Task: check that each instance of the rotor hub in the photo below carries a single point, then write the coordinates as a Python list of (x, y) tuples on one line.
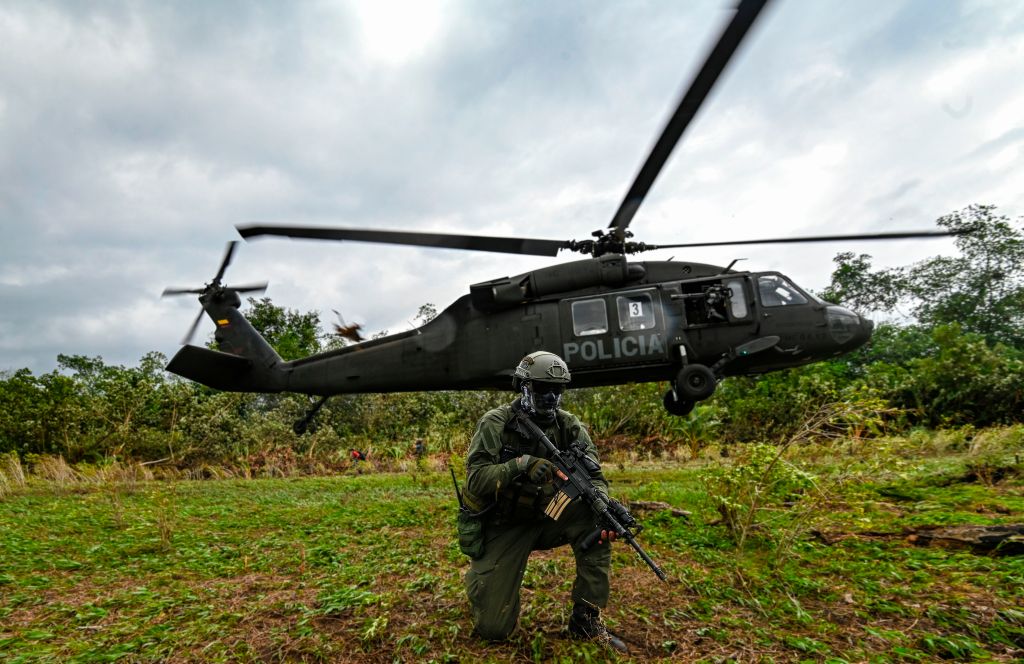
[(610, 242)]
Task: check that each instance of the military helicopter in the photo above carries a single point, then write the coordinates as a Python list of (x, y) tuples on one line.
[(612, 319)]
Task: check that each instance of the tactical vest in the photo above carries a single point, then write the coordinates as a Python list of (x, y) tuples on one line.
[(523, 500)]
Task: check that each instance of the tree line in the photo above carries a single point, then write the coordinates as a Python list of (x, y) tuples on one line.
[(955, 357)]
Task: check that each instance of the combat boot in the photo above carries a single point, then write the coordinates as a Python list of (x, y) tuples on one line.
[(585, 624)]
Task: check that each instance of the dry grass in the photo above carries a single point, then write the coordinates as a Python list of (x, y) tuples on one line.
[(11, 470), (125, 476), (55, 471), (56, 474)]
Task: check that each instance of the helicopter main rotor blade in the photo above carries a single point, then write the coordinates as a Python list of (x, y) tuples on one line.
[(228, 253), (714, 65), (506, 245), (250, 288), (192, 328), (182, 291), (895, 235)]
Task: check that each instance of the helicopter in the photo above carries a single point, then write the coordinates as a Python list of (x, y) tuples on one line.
[(612, 319)]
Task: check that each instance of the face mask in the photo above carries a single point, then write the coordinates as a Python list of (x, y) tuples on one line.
[(542, 400)]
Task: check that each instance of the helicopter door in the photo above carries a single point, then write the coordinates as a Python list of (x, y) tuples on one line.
[(712, 316), (613, 329), (781, 303), (715, 302)]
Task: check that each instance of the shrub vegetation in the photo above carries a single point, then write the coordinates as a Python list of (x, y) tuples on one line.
[(959, 362)]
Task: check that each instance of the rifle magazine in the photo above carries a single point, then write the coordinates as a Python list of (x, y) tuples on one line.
[(558, 505)]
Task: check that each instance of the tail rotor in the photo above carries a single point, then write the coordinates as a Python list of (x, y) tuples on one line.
[(214, 290)]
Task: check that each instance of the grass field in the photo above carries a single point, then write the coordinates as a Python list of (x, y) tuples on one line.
[(365, 568)]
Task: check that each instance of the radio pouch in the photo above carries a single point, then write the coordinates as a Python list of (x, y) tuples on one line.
[(470, 528)]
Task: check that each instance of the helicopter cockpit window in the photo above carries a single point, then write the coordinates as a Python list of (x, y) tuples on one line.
[(635, 312), (589, 317), (775, 291), (737, 298)]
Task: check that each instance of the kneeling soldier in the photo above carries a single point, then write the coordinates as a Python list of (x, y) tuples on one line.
[(509, 484)]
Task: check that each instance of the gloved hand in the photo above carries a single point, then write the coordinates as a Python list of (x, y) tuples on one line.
[(540, 471)]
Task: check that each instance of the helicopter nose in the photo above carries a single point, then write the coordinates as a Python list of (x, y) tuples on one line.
[(847, 328), (867, 326)]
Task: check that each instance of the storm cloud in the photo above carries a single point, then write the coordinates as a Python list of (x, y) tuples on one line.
[(134, 136)]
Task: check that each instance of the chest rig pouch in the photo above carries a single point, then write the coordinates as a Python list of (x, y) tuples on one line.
[(523, 500)]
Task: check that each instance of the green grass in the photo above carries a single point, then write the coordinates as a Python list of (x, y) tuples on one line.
[(365, 568)]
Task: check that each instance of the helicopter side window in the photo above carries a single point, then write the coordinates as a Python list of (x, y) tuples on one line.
[(589, 317), (635, 312), (737, 298), (775, 291)]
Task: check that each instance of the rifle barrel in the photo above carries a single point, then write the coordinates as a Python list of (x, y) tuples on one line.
[(646, 558)]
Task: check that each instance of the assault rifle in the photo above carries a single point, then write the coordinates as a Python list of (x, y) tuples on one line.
[(573, 480)]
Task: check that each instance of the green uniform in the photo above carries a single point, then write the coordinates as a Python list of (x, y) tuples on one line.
[(517, 525)]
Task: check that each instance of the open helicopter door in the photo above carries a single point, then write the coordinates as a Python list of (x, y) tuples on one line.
[(614, 330), (711, 315)]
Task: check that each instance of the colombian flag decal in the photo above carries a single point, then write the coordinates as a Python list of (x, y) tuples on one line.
[(223, 322)]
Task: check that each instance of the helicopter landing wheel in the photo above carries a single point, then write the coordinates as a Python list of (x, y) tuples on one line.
[(696, 382), (677, 407), (301, 427)]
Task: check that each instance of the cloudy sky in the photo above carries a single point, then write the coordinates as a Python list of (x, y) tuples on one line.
[(134, 136)]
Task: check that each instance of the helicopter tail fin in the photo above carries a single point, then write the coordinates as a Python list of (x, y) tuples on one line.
[(245, 361), (221, 371)]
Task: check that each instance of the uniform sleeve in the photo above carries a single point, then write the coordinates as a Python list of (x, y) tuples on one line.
[(485, 474)]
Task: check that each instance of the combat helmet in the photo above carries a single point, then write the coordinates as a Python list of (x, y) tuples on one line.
[(540, 379), (543, 366)]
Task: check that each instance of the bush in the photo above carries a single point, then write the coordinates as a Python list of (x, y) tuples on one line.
[(758, 481), (996, 454), (967, 381), (907, 377)]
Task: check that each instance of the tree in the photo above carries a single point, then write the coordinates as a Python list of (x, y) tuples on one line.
[(116, 408), (291, 333), (21, 424), (427, 313), (982, 289), (856, 286), (893, 344)]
